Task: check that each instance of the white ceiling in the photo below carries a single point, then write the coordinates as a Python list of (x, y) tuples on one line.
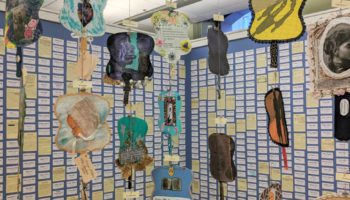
[(117, 10)]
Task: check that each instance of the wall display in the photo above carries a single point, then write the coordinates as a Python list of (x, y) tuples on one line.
[(48, 172), (222, 168), (273, 192), (277, 120), (130, 64), (315, 157), (172, 183), (218, 44), (133, 153), (171, 40), (276, 21), (342, 117), (328, 55), (83, 125), (83, 17)]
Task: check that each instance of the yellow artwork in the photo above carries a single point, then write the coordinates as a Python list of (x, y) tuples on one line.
[(300, 141), (251, 121), (327, 144), (231, 129), (2, 46), (242, 184), (241, 126), (276, 20), (59, 174)]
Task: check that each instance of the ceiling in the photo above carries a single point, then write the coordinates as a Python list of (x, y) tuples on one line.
[(140, 10)]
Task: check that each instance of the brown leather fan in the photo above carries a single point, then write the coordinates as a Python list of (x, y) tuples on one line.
[(277, 121)]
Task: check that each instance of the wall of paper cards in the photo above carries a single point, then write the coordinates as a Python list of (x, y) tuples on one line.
[(314, 156), (47, 172)]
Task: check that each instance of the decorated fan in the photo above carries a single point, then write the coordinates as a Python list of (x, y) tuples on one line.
[(169, 121), (218, 63), (222, 168), (172, 182), (276, 21), (171, 40), (83, 122), (129, 64), (83, 17)]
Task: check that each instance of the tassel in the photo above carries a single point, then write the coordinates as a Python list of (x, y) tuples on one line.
[(285, 160)]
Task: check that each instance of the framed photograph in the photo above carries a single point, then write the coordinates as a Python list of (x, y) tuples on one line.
[(329, 56)]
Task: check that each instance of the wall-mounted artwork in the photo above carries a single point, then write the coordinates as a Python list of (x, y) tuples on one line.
[(328, 55)]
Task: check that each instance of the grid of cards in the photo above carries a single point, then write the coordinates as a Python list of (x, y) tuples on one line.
[(48, 173), (314, 156)]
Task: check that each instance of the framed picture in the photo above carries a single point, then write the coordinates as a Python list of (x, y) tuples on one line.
[(329, 56)]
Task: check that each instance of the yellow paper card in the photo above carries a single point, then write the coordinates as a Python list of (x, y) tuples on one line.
[(12, 128), (71, 89), (194, 103), (29, 141), (275, 174), (261, 84), (263, 168), (311, 102), (97, 195), (261, 60), (140, 109), (221, 104), (343, 177), (2, 46), (230, 103), (11, 183), (231, 129), (202, 63), (241, 126), (203, 93), (44, 147), (12, 98), (44, 188), (72, 198), (182, 72), (300, 141), (297, 47), (108, 184), (251, 121), (287, 183), (211, 93), (45, 47), (31, 86), (195, 165), (242, 184), (273, 77), (72, 71), (299, 122), (59, 174), (110, 99), (119, 194), (211, 131), (150, 123), (149, 86), (195, 186), (298, 76), (327, 144), (211, 119), (149, 189)]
